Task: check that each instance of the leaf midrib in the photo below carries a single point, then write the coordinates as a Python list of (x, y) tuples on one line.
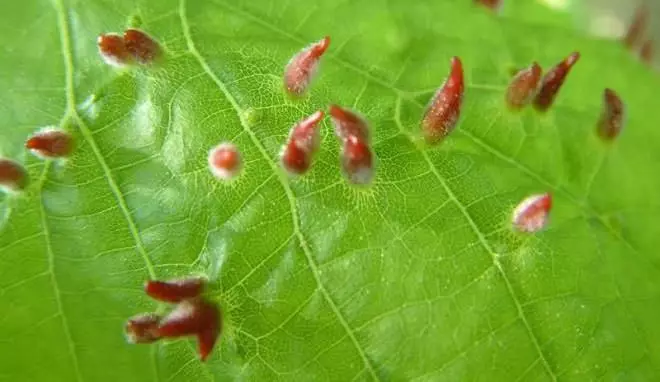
[(285, 185), (72, 113)]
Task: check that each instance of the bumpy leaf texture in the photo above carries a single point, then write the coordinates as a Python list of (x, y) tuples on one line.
[(415, 278)]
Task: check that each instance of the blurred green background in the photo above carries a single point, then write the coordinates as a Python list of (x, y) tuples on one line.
[(609, 19)]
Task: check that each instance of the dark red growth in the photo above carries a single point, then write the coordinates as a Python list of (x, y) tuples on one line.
[(646, 52), (612, 117), (50, 143), (13, 176), (445, 108), (303, 142), (142, 328), (224, 161), (194, 317), (531, 215), (294, 159), (356, 157), (301, 69), (142, 47), (523, 87), (638, 26), (112, 49), (552, 82), (492, 4), (174, 290), (348, 123), (357, 161)]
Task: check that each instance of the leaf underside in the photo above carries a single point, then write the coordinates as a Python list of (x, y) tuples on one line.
[(415, 278)]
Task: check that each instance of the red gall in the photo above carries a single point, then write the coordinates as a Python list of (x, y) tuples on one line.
[(531, 215), (224, 161), (303, 66), (552, 82), (50, 142), (444, 109)]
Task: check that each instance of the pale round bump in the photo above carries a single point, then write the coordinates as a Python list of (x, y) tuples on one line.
[(225, 162)]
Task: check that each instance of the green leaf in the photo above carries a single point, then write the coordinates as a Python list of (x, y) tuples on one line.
[(415, 278)]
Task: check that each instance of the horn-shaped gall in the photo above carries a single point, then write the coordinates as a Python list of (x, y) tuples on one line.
[(531, 215), (612, 116), (142, 328), (523, 87), (141, 47), (356, 156), (50, 142), (13, 177), (174, 290), (197, 317), (113, 50), (638, 26), (301, 145), (552, 82), (491, 4), (444, 109), (302, 68)]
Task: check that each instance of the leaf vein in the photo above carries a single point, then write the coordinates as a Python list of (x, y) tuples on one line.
[(87, 135), (56, 290), (287, 189)]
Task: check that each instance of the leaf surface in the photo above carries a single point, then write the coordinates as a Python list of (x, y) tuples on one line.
[(415, 278)]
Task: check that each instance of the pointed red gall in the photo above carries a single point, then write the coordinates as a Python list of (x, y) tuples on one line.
[(306, 132), (444, 109), (303, 142), (142, 47), (552, 82), (225, 161), (638, 26), (531, 215), (194, 317), (357, 161), (294, 159), (142, 328), (13, 177), (523, 87), (302, 68), (349, 124), (112, 49), (612, 117), (356, 157), (206, 340), (646, 51), (183, 320), (492, 4), (50, 142), (174, 290)]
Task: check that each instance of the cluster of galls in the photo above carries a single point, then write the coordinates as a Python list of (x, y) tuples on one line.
[(356, 157), (192, 315), (639, 37), (303, 142)]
